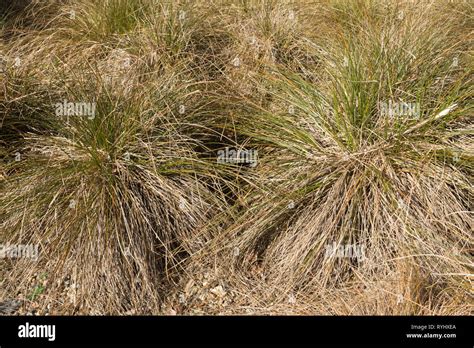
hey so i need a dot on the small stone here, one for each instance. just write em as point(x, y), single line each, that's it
point(236, 62)
point(218, 291)
point(9, 306)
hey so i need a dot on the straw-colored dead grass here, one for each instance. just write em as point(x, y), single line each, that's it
point(133, 214)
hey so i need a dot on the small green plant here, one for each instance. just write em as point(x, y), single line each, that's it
point(37, 291)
